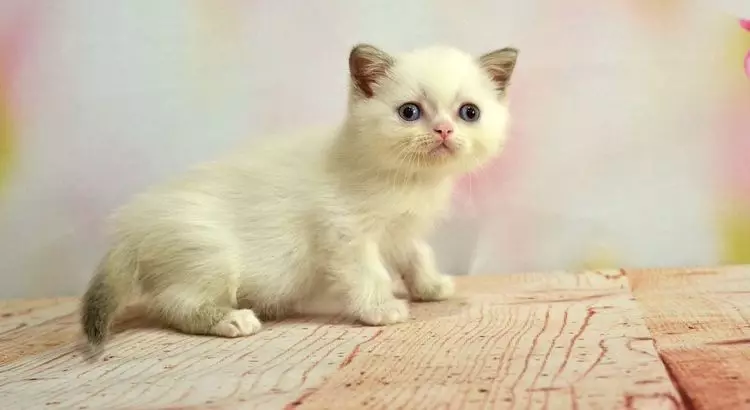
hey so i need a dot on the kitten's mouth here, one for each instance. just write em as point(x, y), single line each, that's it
point(442, 149)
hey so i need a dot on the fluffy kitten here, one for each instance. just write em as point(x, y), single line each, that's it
point(266, 230)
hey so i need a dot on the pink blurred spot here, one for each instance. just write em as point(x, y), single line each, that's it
point(16, 39)
point(745, 24)
point(479, 190)
point(735, 145)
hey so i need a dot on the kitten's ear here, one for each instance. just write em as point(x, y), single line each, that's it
point(367, 65)
point(500, 64)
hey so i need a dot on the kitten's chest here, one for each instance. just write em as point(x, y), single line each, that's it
point(413, 212)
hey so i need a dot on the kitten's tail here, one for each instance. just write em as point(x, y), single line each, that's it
point(112, 285)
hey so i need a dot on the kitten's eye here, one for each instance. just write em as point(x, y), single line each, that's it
point(469, 112)
point(409, 112)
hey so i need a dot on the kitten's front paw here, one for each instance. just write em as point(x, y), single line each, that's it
point(389, 312)
point(440, 287)
point(237, 323)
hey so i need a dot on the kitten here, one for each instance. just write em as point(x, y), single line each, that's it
point(266, 230)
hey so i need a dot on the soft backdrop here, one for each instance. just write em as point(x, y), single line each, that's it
point(630, 144)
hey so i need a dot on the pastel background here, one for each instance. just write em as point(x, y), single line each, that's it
point(630, 145)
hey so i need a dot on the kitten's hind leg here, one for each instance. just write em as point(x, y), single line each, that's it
point(192, 312)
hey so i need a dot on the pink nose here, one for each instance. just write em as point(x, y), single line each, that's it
point(444, 130)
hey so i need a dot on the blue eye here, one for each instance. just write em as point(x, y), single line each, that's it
point(409, 112)
point(469, 112)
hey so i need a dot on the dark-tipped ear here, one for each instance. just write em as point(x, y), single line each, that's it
point(500, 64)
point(367, 65)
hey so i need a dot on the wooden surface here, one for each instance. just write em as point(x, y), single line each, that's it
point(595, 340)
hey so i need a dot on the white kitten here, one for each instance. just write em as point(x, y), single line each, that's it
point(266, 230)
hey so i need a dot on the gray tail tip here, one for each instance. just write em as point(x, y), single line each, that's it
point(94, 345)
point(92, 352)
point(95, 327)
point(95, 335)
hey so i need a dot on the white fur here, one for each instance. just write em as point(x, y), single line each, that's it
point(332, 212)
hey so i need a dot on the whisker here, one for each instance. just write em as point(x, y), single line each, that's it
point(403, 157)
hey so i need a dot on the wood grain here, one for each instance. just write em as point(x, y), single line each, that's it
point(700, 320)
point(561, 341)
point(529, 341)
point(50, 321)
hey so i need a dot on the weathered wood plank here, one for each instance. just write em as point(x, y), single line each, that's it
point(700, 320)
point(151, 368)
point(557, 341)
point(51, 321)
point(561, 341)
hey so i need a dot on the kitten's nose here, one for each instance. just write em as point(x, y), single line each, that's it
point(444, 130)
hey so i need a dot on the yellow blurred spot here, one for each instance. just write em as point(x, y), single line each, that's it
point(735, 230)
point(657, 8)
point(657, 13)
point(5, 144)
point(736, 45)
point(217, 47)
point(599, 257)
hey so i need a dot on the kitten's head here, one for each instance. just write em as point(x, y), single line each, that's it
point(434, 109)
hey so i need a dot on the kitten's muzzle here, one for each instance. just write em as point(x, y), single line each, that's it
point(444, 131)
point(444, 147)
